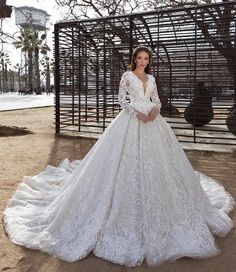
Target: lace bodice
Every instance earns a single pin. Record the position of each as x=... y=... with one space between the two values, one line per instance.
x=131 y=85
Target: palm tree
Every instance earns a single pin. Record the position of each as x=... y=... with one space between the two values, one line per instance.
x=48 y=66
x=24 y=42
x=18 y=73
x=43 y=48
x=30 y=43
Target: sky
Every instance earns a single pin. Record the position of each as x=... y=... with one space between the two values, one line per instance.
x=9 y=24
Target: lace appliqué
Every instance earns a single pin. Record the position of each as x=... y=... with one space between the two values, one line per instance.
x=155 y=97
x=123 y=90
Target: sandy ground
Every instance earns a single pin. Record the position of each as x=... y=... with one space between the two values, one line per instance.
x=29 y=154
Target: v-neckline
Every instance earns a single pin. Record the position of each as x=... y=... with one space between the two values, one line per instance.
x=144 y=88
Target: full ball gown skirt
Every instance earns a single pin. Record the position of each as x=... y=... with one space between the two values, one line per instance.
x=134 y=196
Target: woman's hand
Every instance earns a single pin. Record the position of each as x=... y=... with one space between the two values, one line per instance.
x=143 y=117
x=153 y=113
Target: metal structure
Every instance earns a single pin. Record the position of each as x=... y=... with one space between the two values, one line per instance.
x=30 y=17
x=188 y=45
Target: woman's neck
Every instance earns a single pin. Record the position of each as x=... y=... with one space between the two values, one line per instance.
x=139 y=71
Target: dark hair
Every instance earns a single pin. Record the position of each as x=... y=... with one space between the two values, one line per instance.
x=136 y=51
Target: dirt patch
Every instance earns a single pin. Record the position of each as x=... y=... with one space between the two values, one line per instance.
x=13 y=131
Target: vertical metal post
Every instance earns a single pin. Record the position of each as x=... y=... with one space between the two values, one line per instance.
x=195 y=70
x=130 y=37
x=57 y=78
x=97 y=85
x=73 y=76
x=80 y=83
x=104 y=75
x=234 y=79
x=85 y=59
x=158 y=43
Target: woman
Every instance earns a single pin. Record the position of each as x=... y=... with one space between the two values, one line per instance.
x=134 y=196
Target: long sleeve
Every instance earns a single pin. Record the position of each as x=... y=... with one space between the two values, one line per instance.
x=123 y=90
x=155 y=97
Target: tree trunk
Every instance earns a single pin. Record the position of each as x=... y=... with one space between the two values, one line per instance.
x=48 y=78
x=38 y=91
x=3 y=76
x=19 y=79
x=30 y=69
x=6 y=78
x=26 y=78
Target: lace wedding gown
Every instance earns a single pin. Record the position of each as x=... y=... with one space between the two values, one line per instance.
x=134 y=196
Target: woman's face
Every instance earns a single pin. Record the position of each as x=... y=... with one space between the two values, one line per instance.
x=142 y=60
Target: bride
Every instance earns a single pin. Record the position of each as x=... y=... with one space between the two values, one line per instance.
x=134 y=197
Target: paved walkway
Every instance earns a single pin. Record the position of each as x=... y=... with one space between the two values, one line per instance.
x=16 y=101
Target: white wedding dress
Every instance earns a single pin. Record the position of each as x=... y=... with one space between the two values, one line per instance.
x=134 y=196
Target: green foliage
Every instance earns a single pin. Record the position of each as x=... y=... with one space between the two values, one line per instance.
x=30 y=42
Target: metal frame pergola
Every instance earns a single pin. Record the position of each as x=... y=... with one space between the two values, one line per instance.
x=188 y=44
